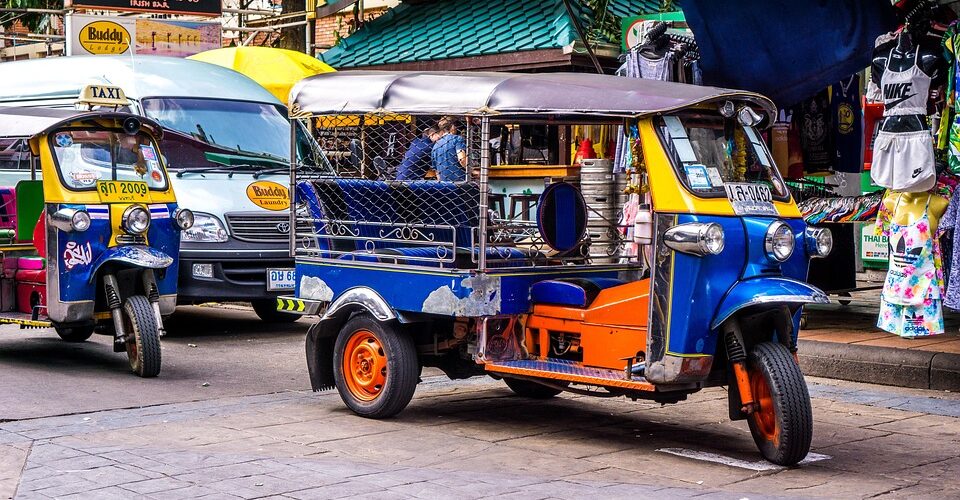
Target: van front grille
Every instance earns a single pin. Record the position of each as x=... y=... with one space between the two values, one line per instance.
x=259 y=227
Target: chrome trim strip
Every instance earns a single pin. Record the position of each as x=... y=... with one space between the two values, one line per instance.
x=365 y=298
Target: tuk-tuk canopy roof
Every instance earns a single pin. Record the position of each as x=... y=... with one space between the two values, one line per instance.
x=31 y=122
x=461 y=92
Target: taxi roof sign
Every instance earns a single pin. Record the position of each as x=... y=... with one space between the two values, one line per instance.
x=103 y=95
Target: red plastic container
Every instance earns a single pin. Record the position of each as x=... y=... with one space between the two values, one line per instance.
x=31 y=289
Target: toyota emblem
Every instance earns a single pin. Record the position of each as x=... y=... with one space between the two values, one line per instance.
x=283 y=227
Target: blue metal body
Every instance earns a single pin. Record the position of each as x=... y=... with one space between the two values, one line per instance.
x=88 y=250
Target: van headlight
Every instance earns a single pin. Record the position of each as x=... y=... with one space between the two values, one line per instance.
x=136 y=219
x=819 y=241
x=206 y=229
x=779 y=241
x=695 y=238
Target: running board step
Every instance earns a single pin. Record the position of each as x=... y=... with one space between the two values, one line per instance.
x=569 y=371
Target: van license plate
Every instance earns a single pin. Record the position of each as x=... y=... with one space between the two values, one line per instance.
x=750 y=199
x=281 y=279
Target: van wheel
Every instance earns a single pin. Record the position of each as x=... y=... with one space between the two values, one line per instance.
x=375 y=367
x=74 y=333
x=267 y=310
x=532 y=390
x=143 y=339
x=782 y=425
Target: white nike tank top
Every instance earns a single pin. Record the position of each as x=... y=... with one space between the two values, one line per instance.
x=905 y=92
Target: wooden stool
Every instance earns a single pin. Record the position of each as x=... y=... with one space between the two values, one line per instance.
x=498 y=203
x=525 y=201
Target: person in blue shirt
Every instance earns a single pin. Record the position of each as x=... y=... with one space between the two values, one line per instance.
x=416 y=161
x=449 y=153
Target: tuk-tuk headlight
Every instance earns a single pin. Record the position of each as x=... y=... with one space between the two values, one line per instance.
x=819 y=241
x=779 y=241
x=184 y=218
x=695 y=238
x=136 y=219
x=70 y=220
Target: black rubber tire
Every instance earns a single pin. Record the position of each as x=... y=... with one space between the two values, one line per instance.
x=402 y=368
x=267 y=310
x=143 y=346
x=532 y=390
x=845 y=302
x=790 y=404
x=74 y=333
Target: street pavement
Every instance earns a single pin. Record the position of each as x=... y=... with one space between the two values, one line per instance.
x=232 y=418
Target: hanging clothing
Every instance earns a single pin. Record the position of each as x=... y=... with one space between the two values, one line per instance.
x=910 y=303
x=815 y=138
x=950 y=222
x=655 y=69
x=903 y=161
x=905 y=92
x=847 y=125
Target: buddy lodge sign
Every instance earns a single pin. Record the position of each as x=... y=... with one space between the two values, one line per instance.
x=99 y=35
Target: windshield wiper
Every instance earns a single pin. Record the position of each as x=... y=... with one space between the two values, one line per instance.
x=222 y=168
x=262 y=171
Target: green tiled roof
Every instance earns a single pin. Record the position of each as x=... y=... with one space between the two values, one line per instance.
x=445 y=29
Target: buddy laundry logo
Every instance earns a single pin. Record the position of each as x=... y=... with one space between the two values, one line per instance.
x=104 y=37
x=269 y=195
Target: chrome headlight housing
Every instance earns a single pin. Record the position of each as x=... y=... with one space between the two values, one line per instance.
x=695 y=238
x=819 y=241
x=206 y=228
x=779 y=241
x=70 y=220
x=136 y=219
x=184 y=218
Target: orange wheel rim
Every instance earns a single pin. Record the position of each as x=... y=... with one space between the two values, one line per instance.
x=765 y=415
x=364 y=365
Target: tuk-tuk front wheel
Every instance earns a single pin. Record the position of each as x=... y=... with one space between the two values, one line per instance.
x=375 y=367
x=267 y=311
x=143 y=338
x=74 y=333
x=782 y=424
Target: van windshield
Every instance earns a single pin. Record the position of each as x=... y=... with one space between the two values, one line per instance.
x=84 y=157
x=710 y=152
x=243 y=127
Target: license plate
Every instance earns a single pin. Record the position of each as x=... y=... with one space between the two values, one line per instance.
x=750 y=199
x=123 y=192
x=281 y=279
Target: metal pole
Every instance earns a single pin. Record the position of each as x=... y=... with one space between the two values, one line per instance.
x=293 y=183
x=484 y=179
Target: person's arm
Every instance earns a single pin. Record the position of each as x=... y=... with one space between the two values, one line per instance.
x=461 y=146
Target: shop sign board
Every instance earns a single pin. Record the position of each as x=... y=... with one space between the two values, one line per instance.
x=873 y=248
x=100 y=35
x=190 y=7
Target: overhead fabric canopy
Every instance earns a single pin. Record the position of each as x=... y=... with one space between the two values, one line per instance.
x=453 y=92
x=787 y=50
x=29 y=122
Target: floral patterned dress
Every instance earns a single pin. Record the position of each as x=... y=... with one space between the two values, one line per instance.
x=910 y=304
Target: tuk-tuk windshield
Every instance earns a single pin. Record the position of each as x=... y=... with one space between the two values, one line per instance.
x=84 y=157
x=710 y=152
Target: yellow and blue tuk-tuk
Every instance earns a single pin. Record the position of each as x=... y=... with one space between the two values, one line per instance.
x=533 y=269
x=89 y=226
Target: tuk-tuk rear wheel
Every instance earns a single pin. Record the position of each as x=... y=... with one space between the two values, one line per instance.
x=74 y=333
x=375 y=367
x=143 y=338
x=782 y=423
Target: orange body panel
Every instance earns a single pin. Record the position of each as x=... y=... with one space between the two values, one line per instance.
x=612 y=328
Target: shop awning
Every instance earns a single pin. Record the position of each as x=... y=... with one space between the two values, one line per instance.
x=785 y=49
x=461 y=92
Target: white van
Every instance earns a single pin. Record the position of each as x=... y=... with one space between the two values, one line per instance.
x=227 y=144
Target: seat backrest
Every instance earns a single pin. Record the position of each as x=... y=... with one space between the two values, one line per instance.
x=8 y=207
x=29 y=208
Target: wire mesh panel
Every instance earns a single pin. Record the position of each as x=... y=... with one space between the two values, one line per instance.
x=406 y=190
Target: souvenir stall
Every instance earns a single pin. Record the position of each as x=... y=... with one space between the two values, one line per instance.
x=875 y=157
